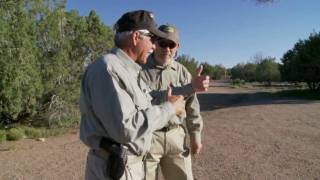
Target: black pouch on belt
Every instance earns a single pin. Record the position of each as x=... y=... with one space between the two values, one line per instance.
x=117 y=160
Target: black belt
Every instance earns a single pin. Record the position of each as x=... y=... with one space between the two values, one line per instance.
x=111 y=146
x=168 y=128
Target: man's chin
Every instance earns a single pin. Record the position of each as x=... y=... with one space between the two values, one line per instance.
x=142 y=61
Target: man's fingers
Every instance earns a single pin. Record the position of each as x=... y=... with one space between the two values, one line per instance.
x=199 y=70
x=169 y=92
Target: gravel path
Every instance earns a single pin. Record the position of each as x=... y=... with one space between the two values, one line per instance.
x=248 y=134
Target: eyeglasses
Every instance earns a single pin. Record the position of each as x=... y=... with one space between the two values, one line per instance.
x=148 y=34
x=164 y=44
x=144 y=32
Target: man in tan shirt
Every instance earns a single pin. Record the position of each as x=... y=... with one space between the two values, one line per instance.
x=117 y=117
x=168 y=150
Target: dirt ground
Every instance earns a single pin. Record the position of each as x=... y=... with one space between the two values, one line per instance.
x=248 y=134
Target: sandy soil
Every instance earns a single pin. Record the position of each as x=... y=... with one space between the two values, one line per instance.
x=248 y=134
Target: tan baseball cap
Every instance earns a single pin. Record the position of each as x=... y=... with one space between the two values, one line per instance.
x=171 y=32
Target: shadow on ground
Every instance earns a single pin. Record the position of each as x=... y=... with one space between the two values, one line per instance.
x=214 y=101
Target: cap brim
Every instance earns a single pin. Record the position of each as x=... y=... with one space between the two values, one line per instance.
x=158 y=33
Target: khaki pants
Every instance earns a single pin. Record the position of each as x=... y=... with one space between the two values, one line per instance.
x=97 y=165
x=168 y=152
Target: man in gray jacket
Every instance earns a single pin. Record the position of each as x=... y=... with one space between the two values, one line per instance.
x=117 y=118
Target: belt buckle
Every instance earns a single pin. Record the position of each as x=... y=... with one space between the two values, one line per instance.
x=165 y=129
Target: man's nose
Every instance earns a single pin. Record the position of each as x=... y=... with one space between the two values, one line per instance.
x=153 y=47
x=167 y=49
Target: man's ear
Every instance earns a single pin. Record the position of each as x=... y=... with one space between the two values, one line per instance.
x=135 y=37
x=178 y=45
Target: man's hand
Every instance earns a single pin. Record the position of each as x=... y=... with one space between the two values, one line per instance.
x=200 y=82
x=177 y=102
x=195 y=147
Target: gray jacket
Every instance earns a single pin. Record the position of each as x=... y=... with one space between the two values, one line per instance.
x=115 y=104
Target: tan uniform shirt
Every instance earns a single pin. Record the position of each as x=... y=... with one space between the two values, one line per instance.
x=159 y=78
x=116 y=105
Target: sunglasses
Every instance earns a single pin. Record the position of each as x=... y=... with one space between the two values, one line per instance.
x=146 y=34
x=165 y=44
x=151 y=36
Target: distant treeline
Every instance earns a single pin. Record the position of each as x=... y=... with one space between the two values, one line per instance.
x=299 y=64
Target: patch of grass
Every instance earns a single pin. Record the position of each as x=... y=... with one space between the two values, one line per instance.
x=57 y=131
x=18 y=132
x=3 y=136
x=34 y=133
x=300 y=93
x=15 y=134
x=238 y=83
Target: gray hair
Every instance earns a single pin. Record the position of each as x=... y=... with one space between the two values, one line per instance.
x=121 y=38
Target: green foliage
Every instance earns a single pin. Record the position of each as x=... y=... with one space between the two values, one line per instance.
x=190 y=63
x=268 y=71
x=44 y=50
x=3 y=136
x=237 y=72
x=302 y=62
x=215 y=71
x=263 y=70
x=20 y=85
x=14 y=134
x=219 y=72
x=208 y=69
x=35 y=132
x=238 y=82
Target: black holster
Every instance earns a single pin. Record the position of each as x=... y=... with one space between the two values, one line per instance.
x=117 y=160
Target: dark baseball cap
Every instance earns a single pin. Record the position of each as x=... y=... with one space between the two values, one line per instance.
x=171 y=32
x=138 y=20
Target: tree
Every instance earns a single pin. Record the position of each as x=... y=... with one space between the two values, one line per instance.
x=44 y=50
x=268 y=71
x=20 y=83
x=237 y=72
x=190 y=63
x=302 y=63
x=208 y=69
x=249 y=72
x=219 y=72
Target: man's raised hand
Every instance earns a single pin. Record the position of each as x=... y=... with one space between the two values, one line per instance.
x=200 y=82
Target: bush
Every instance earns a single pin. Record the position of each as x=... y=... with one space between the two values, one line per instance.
x=238 y=82
x=42 y=60
x=15 y=134
x=60 y=114
x=35 y=133
x=3 y=136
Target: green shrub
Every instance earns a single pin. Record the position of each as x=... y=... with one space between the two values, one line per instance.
x=35 y=133
x=238 y=82
x=3 y=136
x=15 y=134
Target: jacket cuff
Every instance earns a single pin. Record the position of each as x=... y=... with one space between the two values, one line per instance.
x=196 y=137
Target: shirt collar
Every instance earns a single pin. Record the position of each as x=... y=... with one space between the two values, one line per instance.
x=125 y=59
x=151 y=63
